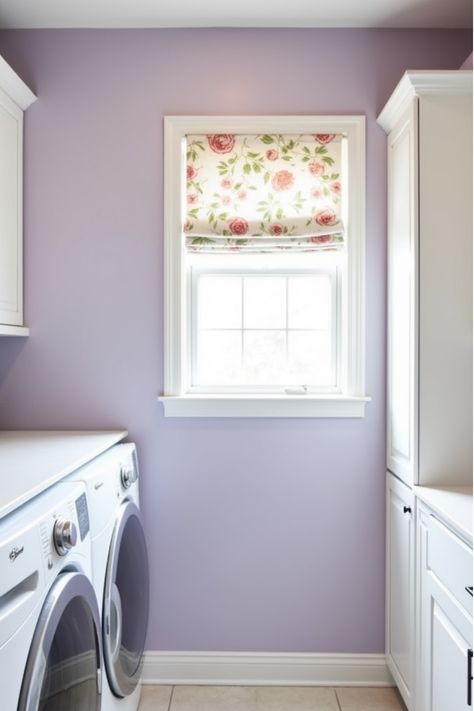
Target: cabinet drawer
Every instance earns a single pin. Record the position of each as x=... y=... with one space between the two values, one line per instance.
x=450 y=559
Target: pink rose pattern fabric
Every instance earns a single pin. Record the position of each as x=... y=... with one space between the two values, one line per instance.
x=260 y=193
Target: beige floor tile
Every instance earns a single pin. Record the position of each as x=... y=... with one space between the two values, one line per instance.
x=296 y=699
x=155 y=698
x=363 y=699
x=257 y=698
x=213 y=698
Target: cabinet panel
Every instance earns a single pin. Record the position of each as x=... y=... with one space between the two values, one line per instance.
x=449 y=653
x=445 y=627
x=11 y=267
x=400 y=585
x=402 y=249
x=445 y=308
x=450 y=560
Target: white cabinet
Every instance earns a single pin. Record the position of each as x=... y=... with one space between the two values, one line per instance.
x=402 y=310
x=400 y=592
x=15 y=97
x=428 y=120
x=11 y=253
x=445 y=617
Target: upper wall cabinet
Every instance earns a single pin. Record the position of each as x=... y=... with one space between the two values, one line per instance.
x=15 y=97
x=428 y=120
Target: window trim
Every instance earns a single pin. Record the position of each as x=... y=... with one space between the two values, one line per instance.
x=175 y=400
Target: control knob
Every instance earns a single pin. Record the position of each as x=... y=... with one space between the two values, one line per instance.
x=128 y=475
x=64 y=536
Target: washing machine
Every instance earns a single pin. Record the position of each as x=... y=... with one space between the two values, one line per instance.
x=119 y=570
x=50 y=641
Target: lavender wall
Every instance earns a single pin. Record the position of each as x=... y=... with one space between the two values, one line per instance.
x=264 y=534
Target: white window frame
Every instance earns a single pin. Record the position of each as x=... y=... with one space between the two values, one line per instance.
x=177 y=401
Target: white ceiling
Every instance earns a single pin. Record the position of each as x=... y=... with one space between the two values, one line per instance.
x=238 y=13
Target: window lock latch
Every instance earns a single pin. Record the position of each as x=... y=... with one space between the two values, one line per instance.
x=297 y=390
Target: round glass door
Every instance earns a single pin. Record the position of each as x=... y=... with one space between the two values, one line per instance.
x=126 y=602
x=63 y=668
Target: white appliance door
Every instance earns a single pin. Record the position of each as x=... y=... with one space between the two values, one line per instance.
x=126 y=602
x=63 y=670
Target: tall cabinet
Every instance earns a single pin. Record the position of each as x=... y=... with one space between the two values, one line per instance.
x=15 y=97
x=428 y=121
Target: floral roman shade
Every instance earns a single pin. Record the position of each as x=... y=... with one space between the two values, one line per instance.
x=263 y=193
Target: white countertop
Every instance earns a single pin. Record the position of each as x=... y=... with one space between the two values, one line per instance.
x=31 y=461
x=452 y=503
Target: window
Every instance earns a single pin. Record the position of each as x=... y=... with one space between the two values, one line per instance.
x=254 y=326
x=264 y=310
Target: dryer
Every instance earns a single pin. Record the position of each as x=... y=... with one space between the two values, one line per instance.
x=119 y=570
x=50 y=642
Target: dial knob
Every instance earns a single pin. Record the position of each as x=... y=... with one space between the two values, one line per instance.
x=64 y=536
x=129 y=475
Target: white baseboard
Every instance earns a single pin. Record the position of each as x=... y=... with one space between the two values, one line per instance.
x=258 y=669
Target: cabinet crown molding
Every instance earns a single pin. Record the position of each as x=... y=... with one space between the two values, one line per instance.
x=417 y=83
x=15 y=87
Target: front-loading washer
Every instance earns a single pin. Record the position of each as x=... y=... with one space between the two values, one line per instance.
x=50 y=643
x=119 y=570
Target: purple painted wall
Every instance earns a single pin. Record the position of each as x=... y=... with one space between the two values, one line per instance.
x=467 y=64
x=264 y=534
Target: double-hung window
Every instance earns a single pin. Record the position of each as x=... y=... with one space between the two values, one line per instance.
x=264 y=256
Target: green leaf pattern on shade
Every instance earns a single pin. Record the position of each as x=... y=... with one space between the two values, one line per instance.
x=264 y=193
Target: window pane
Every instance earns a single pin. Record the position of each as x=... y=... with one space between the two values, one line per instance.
x=265 y=329
x=220 y=302
x=309 y=302
x=264 y=357
x=264 y=302
x=309 y=358
x=219 y=357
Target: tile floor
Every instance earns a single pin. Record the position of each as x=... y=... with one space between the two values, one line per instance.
x=262 y=698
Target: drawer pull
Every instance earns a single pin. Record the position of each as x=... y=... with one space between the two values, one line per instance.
x=469 y=677
x=406 y=509
x=468 y=589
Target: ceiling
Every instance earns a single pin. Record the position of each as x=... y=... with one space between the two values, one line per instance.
x=244 y=13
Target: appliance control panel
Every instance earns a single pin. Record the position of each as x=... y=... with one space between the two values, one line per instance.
x=55 y=528
x=64 y=536
x=64 y=527
x=128 y=475
x=129 y=465
x=42 y=537
x=82 y=515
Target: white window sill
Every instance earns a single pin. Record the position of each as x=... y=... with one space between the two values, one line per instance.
x=263 y=405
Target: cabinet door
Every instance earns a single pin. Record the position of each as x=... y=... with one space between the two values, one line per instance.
x=11 y=246
x=402 y=316
x=400 y=638
x=445 y=295
x=445 y=641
